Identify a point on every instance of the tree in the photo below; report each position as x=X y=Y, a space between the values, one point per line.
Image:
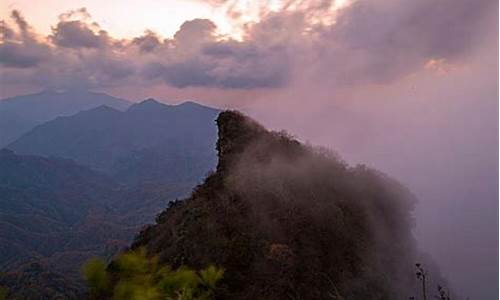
x=443 y=294
x=139 y=277
x=96 y=276
x=422 y=276
x=3 y=293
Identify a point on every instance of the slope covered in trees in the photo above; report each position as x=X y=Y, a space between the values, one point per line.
x=287 y=221
x=82 y=186
x=41 y=200
x=56 y=214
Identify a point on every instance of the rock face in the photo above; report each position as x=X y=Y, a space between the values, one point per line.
x=288 y=221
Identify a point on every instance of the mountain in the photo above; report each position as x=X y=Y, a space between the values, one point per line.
x=149 y=142
x=81 y=186
x=20 y=114
x=56 y=214
x=288 y=221
x=39 y=199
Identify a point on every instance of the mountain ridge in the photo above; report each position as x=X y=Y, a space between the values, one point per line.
x=56 y=212
x=103 y=138
x=19 y=114
x=290 y=221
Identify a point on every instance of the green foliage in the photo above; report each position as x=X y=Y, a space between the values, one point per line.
x=211 y=275
x=3 y=293
x=96 y=276
x=139 y=277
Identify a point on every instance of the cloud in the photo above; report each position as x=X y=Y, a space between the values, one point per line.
x=80 y=13
x=363 y=43
x=20 y=49
x=196 y=57
x=384 y=40
x=22 y=55
x=183 y=74
x=21 y=23
x=6 y=32
x=228 y=72
x=77 y=34
x=147 y=42
x=195 y=32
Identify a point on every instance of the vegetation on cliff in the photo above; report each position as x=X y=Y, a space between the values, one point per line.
x=288 y=221
x=138 y=277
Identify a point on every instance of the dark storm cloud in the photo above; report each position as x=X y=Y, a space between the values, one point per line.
x=370 y=42
x=77 y=34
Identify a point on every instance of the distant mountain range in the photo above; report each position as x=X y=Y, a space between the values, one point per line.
x=82 y=185
x=149 y=142
x=20 y=114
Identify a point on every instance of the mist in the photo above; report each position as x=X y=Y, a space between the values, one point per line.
x=293 y=221
x=435 y=130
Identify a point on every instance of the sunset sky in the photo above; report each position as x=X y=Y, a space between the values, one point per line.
x=122 y=19
x=189 y=48
x=161 y=16
x=410 y=87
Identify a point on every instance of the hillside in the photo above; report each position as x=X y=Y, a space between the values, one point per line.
x=56 y=214
x=287 y=221
x=81 y=186
x=149 y=142
x=40 y=199
x=20 y=114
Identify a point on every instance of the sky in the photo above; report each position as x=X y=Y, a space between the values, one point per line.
x=162 y=16
x=409 y=87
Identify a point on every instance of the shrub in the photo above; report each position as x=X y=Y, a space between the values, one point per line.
x=139 y=277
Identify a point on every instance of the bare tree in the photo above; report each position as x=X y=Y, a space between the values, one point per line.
x=422 y=276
